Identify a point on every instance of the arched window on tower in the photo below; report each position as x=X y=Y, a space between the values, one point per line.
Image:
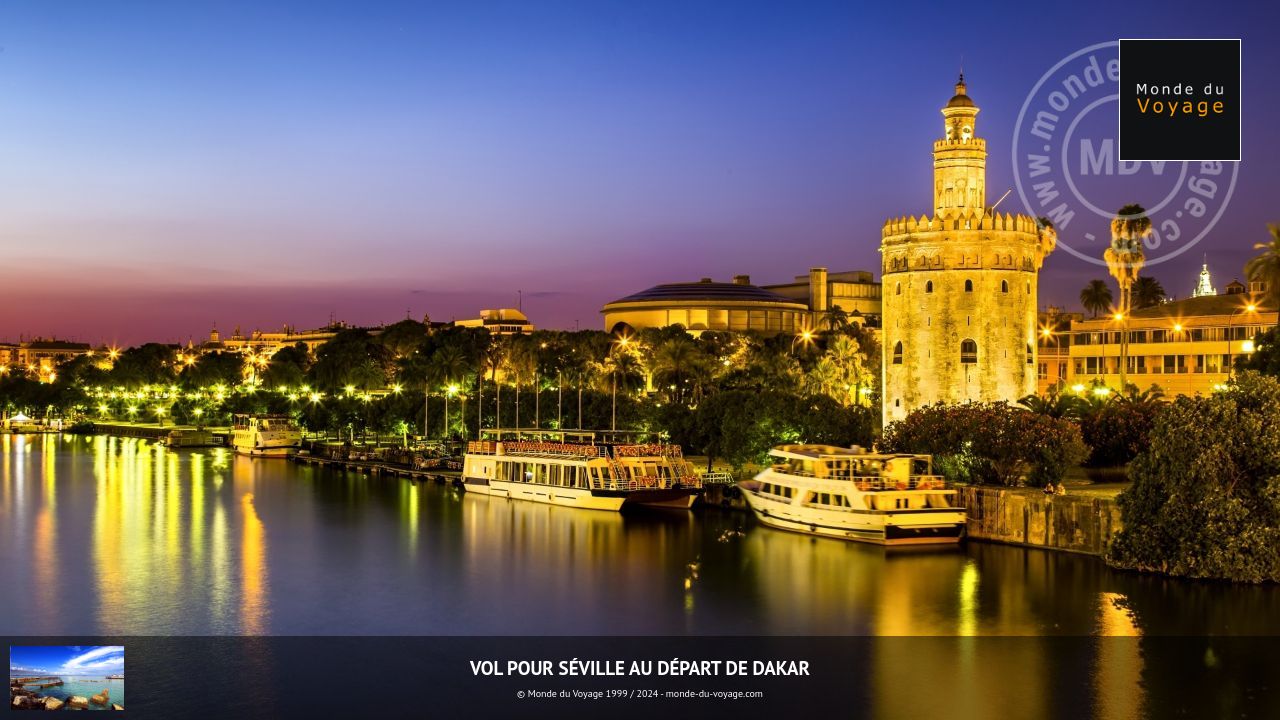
x=897 y=353
x=928 y=287
x=968 y=286
x=1004 y=286
x=1031 y=354
x=968 y=352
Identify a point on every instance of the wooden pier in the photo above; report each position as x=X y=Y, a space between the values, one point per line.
x=373 y=467
x=40 y=682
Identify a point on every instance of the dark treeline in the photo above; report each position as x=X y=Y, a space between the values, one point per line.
x=731 y=394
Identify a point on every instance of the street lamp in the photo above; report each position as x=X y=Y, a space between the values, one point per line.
x=450 y=391
x=1245 y=346
x=623 y=342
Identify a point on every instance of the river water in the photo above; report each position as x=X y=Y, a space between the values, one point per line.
x=114 y=536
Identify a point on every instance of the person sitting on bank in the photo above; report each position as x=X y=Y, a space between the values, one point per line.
x=1048 y=489
x=1062 y=489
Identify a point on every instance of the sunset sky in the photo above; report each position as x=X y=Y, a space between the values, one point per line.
x=165 y=167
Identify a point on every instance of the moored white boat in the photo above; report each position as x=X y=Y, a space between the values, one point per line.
x=572 y=469
x=855 y=495
x=265 y=435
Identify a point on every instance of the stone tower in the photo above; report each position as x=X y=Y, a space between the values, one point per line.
x=959 y=294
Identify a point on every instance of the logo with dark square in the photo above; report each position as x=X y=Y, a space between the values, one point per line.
x=1179 y=99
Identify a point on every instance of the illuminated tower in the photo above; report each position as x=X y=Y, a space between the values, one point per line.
x=959 y=295
x=1205 y=286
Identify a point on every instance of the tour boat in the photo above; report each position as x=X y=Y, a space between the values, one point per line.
x=851 y=494
x=265 y=435
x=579 y=469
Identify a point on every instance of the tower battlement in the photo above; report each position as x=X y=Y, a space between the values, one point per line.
x=959 y=220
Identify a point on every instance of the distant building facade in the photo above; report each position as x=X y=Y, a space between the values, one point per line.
x=708 y=305
x=1185 y=347
x=739 y=306
x=501 y=321
x=855 y=293
x=959 y=285
x=41 y=355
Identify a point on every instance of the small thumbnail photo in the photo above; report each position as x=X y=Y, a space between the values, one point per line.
x=66 y=677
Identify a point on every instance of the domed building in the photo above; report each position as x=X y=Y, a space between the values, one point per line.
x=959 y=284
x=708 y=305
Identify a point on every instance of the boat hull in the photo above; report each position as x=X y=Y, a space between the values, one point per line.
x=921 y=527
x=673 y=498
x=283 y=451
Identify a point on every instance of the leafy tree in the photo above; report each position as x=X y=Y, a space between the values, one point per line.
x=288 y=367
x=993 y=443
x=1118 y=429
x=215 y=368
x=1205 y=499
x=1096 y=297
x=404 y=337
x=148 y=364
x=352 y=358
x=1265 y=357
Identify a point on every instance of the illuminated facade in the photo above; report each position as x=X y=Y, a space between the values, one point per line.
x=1186 y=347
x=960 y=284
x=707 y=305
x=40 y=356
x=806 y=303
x=502 y=321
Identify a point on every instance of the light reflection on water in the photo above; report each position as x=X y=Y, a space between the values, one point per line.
x=121 y=536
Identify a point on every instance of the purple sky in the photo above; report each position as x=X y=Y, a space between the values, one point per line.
x=163 y=168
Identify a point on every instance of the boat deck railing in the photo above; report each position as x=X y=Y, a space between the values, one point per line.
x=717 y=478
x=868 y=483
x=537 y=449
x=646 y=483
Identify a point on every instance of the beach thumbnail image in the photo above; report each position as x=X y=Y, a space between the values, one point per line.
x=66 y=677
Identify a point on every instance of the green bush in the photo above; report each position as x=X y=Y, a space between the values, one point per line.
x=989 y=443
x=1205 y=500
x=1118 y=430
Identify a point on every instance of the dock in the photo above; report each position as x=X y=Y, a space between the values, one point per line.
x=151 y=431
x=39 y=682
x=374 y=467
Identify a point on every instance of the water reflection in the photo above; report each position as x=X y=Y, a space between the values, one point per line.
x=121 y=536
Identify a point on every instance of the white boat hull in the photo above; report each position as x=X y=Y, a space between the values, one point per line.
x=884 y=527
x=281 y=451
x=578 y=497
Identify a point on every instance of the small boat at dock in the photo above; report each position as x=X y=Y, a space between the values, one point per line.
x=852 y=494
x=265 y=436
x=579 y=468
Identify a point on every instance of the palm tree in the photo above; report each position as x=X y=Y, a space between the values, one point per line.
x=679 y=362
x=1096 y=297
x=1124 y=259
x=451 y=364
x=836 y=320
x=1265 y=268
x=1147 y=292
x=1055 y=404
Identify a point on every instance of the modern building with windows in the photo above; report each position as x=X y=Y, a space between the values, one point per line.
x=1185 y=347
